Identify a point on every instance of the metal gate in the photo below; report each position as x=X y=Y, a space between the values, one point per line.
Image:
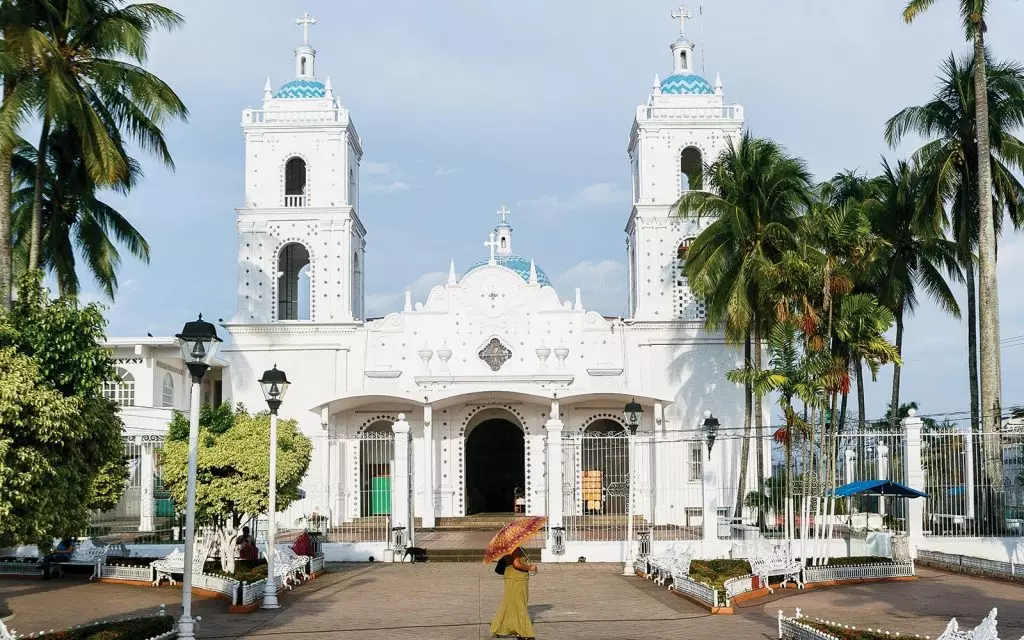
x=595 y=485
x=366 y=490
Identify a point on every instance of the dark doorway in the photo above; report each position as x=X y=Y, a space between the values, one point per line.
x=495 y=467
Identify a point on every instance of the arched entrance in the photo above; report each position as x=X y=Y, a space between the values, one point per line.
x=495 y=466
x=604 y=468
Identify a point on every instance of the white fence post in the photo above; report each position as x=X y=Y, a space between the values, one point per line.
x=915 y=480
x=147 y=506
x=400 y=507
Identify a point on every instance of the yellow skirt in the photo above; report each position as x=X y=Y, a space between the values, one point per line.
x=513 y=618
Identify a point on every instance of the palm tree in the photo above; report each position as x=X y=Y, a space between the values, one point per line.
x=953 y=162
x=756 y=193
x=972 y=12
x=87 y=55
x=73 y=216
x=916 y=254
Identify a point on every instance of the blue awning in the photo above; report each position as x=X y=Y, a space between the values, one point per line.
x=878 y=488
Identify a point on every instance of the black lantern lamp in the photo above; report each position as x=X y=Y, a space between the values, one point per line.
x=710 y=429
x=275 y=384
x=632 y=413
x=199 y=343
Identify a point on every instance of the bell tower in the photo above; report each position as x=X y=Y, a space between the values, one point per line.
x=684 y=125
x=301 y=244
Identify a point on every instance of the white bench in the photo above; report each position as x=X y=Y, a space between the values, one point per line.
x=5 y=633
x=767 y=559
x=289 y=567
x=984 y=631
x=174 y=563
x=673 y=561
x=89 y=554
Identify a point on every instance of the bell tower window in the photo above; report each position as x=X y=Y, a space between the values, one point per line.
x=686 y=305
x=295 y=183
x=691 y=165
x=293 y=283
x=302 y=66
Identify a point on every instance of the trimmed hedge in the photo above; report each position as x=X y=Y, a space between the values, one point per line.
x=136 y=629
x=716 y=572
x=847 y=634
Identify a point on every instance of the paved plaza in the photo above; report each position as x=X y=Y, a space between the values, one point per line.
x=573 y=601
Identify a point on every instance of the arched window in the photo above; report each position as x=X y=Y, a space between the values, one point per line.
x=295 y=183
x=691 y=165
x=682 y=61
x=293 y=283
x=167 y=390
x=302 y=64
x=121 y=389
x=686 y=305
x=357 y=288
x=504 y=242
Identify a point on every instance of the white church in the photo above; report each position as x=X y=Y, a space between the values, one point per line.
x=495 y=394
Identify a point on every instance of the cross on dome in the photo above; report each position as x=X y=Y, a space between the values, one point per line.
x=503 y=214
x=305 y=22
x=682 y=14
x=492 y=244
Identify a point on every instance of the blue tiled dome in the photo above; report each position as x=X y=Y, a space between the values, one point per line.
x=302 y=89
x=689 y=83
x=520 y=265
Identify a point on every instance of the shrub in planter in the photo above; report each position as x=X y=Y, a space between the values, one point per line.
x=842 y=633
x=716 y=572
x=136 y=629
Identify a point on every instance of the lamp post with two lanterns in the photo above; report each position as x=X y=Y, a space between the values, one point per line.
x=274 y=384
x=199 y=343
x=633 y=412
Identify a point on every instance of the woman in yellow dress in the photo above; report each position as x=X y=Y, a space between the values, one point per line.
x=513 y=618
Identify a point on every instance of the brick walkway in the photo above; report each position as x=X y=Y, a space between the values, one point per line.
x=572 y=601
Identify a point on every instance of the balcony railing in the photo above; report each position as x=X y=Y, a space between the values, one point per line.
x=269 y=116
x=295 y=201
x=729 y=112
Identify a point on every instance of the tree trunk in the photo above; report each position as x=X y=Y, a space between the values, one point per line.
x=972 y=341
x=861 y=421
x=6 y=262
x=34 y=251
x=988 y=291
x=894 y=403
x=745 y=450
x=758 y=417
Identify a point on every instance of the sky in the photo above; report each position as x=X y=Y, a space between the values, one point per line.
x=464 y=106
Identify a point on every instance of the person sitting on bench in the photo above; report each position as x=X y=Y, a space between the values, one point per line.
x=62 y=553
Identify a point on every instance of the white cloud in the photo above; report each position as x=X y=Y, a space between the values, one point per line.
x=600 y=196
x=602 y=285
x=445 y=170
x=386 y=187
x=379 y=304
x=371 y=168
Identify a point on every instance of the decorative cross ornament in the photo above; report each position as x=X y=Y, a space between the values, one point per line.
x=503 y=214
x=305 y=21
x=683 y=14
x=492 y=245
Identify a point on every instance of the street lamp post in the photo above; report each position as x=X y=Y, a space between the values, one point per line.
x=709 y=428
x=199 y=343
x=274 y=383
x=633 y=412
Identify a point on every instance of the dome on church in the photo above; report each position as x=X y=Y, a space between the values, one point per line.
x=688 y=83
x=520 y=265
x=302 y=89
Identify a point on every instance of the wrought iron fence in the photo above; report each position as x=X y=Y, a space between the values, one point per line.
x=364 y=494
x=974 y=482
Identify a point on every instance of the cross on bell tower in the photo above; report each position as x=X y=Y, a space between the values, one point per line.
x=305 y=55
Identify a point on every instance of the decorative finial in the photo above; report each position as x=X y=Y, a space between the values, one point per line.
x=305 y=21
x=656 y=87
x=579 y=301
x=451 y=272
x=533 y=271
x=718 y=84
x=408 y=301
x=328 y=89
x=268 y=90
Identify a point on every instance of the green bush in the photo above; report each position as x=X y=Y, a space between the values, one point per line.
x=136 y=629
x=245 y=570
x=716 y=572
x=842 y=633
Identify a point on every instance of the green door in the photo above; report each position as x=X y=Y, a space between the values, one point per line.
x=380 y=496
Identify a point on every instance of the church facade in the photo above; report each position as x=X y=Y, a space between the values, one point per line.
x=496 y=393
